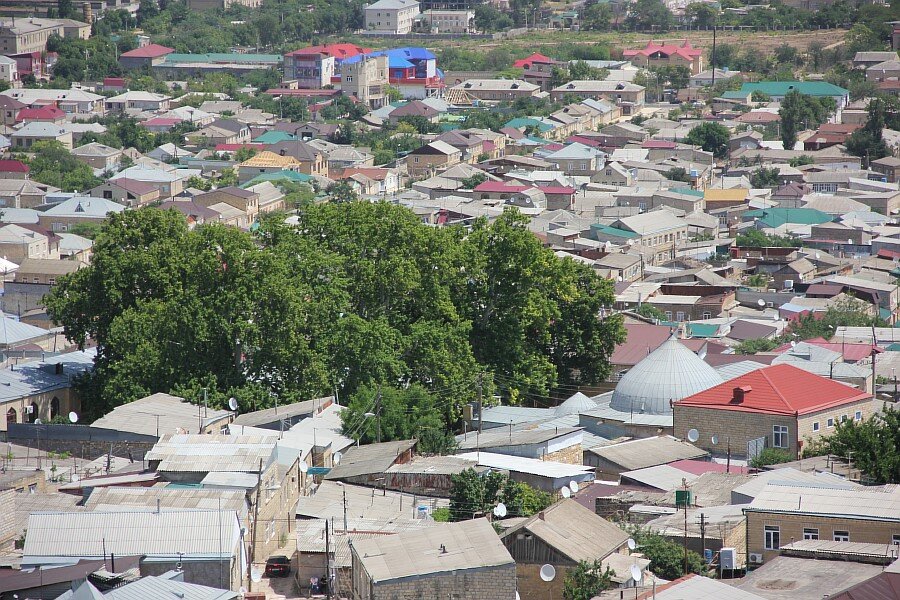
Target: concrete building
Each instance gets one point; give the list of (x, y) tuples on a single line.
[(9, 71), (655, 54), (779, 406), (463, 560), (446, 21), (785, 512), (627, 96), (314, 67), (366, 79), (78, 209), (432, 158), (498, 89), (24, 36), (98, 156), (146, 56), (35, 132), (395, 17)]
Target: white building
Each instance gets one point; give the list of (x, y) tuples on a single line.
[(9, 71), (391, 16)]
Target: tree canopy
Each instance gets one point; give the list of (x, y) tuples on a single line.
[(872, 445), (712, 137), (473, 494), (356, 295)]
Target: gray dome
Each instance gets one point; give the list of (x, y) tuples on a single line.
[(671, 372), (575, 405)]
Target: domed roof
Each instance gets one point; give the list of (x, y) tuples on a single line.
[(671, 372), (575, 405)]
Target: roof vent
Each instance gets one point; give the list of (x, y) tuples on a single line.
[(443, 549), (740, 394)]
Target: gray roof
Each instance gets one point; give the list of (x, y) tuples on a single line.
[(434, 465), (514, 414), (501, 437), (450, 547), (387, 510), (85, 207), (574, 531), (169, 585), (793, 578), (287, 411), (159, 414), (696, 587), (574, 405), (541, 468), (209, 453), (369, 459), (56, 537), (661, 477), (392, 4), (37, 377), (142, 498), (648, 452), (790, 475), (871, 503), (669, 373)]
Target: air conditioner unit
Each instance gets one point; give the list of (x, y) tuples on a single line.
[(728, 558), (770, 305), (756, 558)]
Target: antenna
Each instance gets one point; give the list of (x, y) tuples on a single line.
[(500, 511), (548, 572), (566, 492), (631, 544), (693, 435), (73, 417), (636, 573), (232, 403)]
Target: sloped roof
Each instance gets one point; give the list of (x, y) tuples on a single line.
[(149, 51), (778, 389), (647, 452), (574, 531)]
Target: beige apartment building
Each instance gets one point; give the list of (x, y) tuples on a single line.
[(22, 36), (659, 233), (367, 80), (782, 513), (498, 89), (391, 16)]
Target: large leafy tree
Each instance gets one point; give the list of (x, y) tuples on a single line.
[(802, 111), (712, 137), (587, 580), (474, 494), (872, 445)]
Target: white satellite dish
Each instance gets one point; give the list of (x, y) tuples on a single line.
[(232, 403), (38, 422), (336, 458), (636, 573), (631, 544), (761, 303), (548, 572), (573, 485), (256, 574), (500, 511), (793, 344), (73, 417), (517, 596), (566, 492), (715, 440), (693, 435), (818, 255), (304, 467)]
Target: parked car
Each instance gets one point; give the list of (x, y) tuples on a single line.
[(278, 565)]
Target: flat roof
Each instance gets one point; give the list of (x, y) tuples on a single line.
[(648, 452), (869, 503), (159, 414), (542, 468)]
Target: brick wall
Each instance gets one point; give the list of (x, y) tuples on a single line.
[(496, 583), (791, 529), (867, 407), (738, 427), (572, 455)]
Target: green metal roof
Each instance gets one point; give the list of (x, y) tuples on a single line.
[(776, 217), (529, 122), (289, 175), (687, 191), (702, 330), (273, 137), (613, 231), (734, 95), (781, 88)]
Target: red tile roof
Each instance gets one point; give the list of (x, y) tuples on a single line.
[(777, 390), (44, 113), (374, 173), (151, 51), (556, 189), (658, 144), (13, 166), (114, 81), (161, 122), (537, 57), (685, 50), (340, 51), (758, 116)]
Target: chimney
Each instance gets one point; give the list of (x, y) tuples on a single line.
[(541, 515), (740, 394)]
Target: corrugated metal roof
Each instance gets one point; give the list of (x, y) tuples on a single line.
[(661, 477), (370, 508), (166, 587), (434, 465), (53, 537), (446, 547), (141, 498), (208, 453), (159, 414), (500, 437), (542, 468), (871, 503), (648, 452), (369, 459)]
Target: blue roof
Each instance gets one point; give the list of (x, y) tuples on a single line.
[(398, 58)]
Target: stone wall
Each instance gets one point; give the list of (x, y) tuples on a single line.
[(572, 455), (496, 583), (730, 425)]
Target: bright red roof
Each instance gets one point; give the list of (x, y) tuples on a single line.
[(150, 51), (685, 50), (499, 186), (537, 57), (556, 189), (779, 390), (117, 81), (43, 113), (340, 51), (13, 166)]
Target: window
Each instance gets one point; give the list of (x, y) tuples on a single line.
[(668, 315), (773, 537), (843, 418), (830, 422), (857, 416), (679, 316), (895, 539), (810, 534), (780, 436), (816, 426), (842, 536), (707, 315)]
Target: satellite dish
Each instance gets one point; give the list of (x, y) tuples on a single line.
[(500, 510), (818, 255), (566, 492), (636, 573), (548, 572), (693, 435), (793, 344), (38, 422), (573, 485), (304, 467), (517, 596), (232, 403), (74, 477), (761, 303), (715, 440), (336, 458), (73, 417), (631, 544), (256, 574)]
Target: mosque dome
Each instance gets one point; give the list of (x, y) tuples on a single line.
[(575, 405), (669, 373)]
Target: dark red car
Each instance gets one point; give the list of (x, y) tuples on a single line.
[(278, 565)]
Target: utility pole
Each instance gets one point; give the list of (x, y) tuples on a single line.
[(378, 415), (703, 536), (480, 403), (327, 561), (685, 534), (344, 489), (255, 522)]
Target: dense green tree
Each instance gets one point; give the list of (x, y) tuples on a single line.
[(771, 456), (597, 17), (701, 14), (872, 445), (666, 556), (868, 142), (473, 181), (801, 111), (648, 311), (851, 312), (712, 137), (52, 164), (765, 177), (587, 580), (649, 15), (474, 494), (755, 346), (754, 238), (341, 191)]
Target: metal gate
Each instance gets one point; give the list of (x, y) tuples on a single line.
[(755, 447)]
